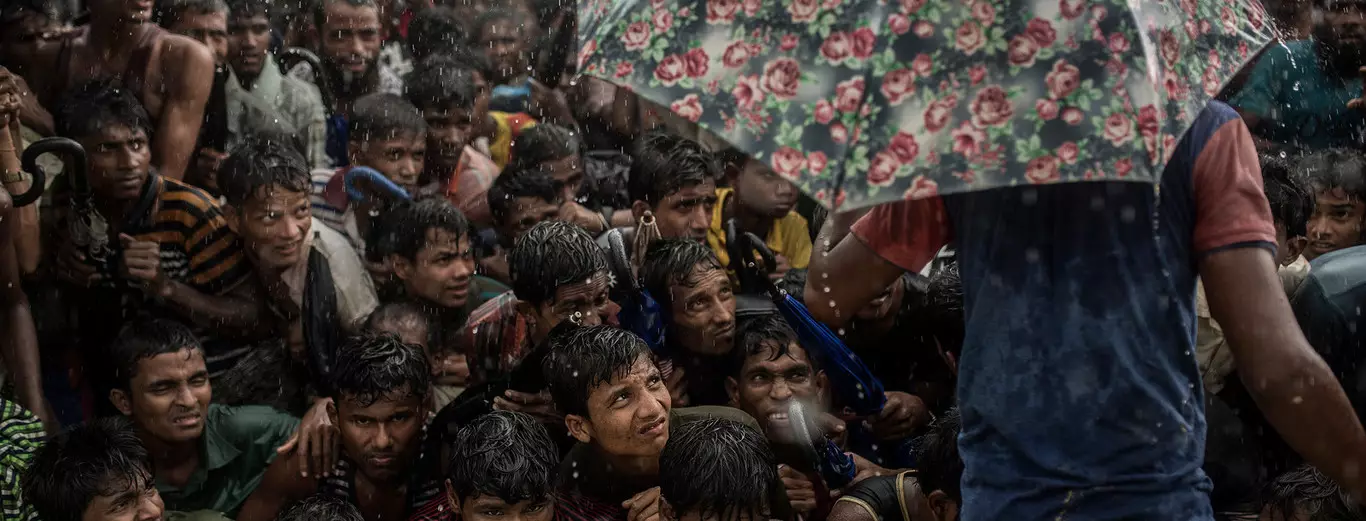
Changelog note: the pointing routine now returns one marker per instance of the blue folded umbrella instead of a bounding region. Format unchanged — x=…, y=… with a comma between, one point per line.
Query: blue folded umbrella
x=376, y=179
x=640, y=312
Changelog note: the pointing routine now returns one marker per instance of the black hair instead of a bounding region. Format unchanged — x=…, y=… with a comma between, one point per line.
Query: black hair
x=1306, y=492
x=170, y=12
x=1291, y=204
x=769, y=332
x=320, y=9
x=372, y=367
x=262, y=161
x=434, y=30
x=553, y=254
x=936, y=454
x=670, y=262
x=321, y=507
x=543, y=143
x=942, y=315
x=101, y=457
x=98, y=104
x=508, y=455
x=717, y=467
x=146, y=338
x=495, y=15
x=1336, y=168
x=471, y=59
x=382, y=115
x=665, y=163
x=412, y=221
x=238, y=9
x=527, y=182
x=440, y=81
x=11, y=11
x=582, y=358
x=401, y=311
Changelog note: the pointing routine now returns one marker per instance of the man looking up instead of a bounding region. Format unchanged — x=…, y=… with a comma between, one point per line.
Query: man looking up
x=690, y=285
x=95, y=471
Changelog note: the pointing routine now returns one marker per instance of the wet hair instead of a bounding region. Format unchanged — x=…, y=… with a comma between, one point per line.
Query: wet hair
x=262, y=161
x=582, y=358
x=101, y=457
x=95, y=105
x=1291, y=204
x=439, y=81
x=434, y=30
x=173, y=10
x=1307, y=491
x=717, y=467
x=507, y=455
x=769, y=332
x=671, y=262
x=12, y=11
x=492, y=16
x=239, y=9
x=553, y=254
x=1336, y=168
x=412, y=221
x=147, y=338
x=543, y=143
x=320, y=9
x=400, y=313
x=382, y=115
x=942, y=314
x=664, y=163
x=468, y=57
x=374, y=366
x=526, y=182
x=939, y=466
x=321, y=507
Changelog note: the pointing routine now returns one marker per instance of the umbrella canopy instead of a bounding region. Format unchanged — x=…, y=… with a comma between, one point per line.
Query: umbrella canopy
x=861, y=102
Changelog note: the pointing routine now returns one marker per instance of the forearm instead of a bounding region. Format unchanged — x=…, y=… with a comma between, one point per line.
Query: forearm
x=174, y=148
x=226, y=312
x=20, y=350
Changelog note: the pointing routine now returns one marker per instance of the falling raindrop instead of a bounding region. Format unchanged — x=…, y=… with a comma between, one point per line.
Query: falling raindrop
x=1032, y=255
x=1029, y=197
x=1127, y=214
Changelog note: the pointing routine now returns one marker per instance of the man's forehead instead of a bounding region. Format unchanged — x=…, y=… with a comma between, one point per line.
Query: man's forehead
x=595, y=284
x=277, y=195
x=642, y=368
x=394, y=401
x=765, y=356
x=706, y=188
x=702, y=277
x=167, y=364
x=441, y=238
x=204, y=20
x=340, y=14
x=117, y=133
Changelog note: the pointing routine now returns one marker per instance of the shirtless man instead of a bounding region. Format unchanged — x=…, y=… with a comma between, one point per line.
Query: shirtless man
x=171, y=75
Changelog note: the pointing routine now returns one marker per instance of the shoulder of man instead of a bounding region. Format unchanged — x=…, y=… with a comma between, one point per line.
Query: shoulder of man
x=247, y=426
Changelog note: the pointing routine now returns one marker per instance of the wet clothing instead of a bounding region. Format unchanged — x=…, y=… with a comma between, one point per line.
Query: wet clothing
x=235, y=450
x=1301, y=102
x=21, y=435
x=1079, y=301
x=296, y=105
x=883, y=497
x=789, y=236
x=1328, y=308
x=425, y=483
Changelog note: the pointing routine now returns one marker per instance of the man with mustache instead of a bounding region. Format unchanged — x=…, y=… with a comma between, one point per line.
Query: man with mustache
x=698, y=300
x=349, y=36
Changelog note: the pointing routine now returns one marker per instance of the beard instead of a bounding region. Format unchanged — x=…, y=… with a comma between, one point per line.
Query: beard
x=1339, y=57
x=348, y=84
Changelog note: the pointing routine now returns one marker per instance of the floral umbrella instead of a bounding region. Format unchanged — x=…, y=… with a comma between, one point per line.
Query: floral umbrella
x=861, y=102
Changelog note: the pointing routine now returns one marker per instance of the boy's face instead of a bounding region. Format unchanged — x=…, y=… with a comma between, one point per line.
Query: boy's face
x=484, y=507
x=628, y=417
x=760, y=190
x=449, y=129
x=588, y=300
x=119, y=160
x=505, y=45
x=248, y=41
x=442, y=270
x=1335, y=223
x=703, y=312
x=399, y=158
x=211, y=29
x=383, y=437
x=568, y=173
x=138, y=501
x=274, y=223
x=524, y=213
x=169, y=396
x=685, y=214
x=767, y=385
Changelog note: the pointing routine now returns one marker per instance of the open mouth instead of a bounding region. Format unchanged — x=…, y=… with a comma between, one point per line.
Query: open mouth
x=189, y=420
x=655, y=428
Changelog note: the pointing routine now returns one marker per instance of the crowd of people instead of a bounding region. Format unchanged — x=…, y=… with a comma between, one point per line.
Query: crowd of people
x=367, y=260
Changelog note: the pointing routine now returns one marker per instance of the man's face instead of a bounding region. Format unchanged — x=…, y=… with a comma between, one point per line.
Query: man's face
x=525, y=213
x=350, y=37
x=1344, y=26
x=484, y=507
x=686, y=214
x=628, y=417
x=586, y=300
x=209, y=28
x=568, y=173
x=274, y=223
x=130, y=12
x=248, y=41
x=762, y=191
x=400, y=158
x=138, y=501
x=383, y=437
x=467, y=11
x=505, y=45
x=169, y=396
x=441, y=272
x=1335, y=224
x=449, y=129
x=27, y=35
x=118, y=160
x=703, y=319
x=769, y=382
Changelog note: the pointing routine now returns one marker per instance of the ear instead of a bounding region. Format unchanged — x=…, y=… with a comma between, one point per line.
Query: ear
x=944, y=508
x=1295, y=246
x=638, y=209
x=579, y=428
x=353, y=151
x=822, y=382
x=121, y=401
x=233, y=217
x=452, y=500
x=733, y=391
x=403, y=267
x=332, y=411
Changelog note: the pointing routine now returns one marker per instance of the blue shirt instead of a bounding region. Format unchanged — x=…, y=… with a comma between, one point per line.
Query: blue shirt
x=1078, y=386
x=1299, y=102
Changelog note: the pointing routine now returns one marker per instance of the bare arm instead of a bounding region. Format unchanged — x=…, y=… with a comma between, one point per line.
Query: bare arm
x=19, y=341
x=861, y=273
x=1291, y=384
x=280, y=487
x=234, y=312
x=187, y=73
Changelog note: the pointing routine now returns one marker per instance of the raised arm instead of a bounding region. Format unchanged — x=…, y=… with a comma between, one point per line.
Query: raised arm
x=187, y=73
x=18, y=337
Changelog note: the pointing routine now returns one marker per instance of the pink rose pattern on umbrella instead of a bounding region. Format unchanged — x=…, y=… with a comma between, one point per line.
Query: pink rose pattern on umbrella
x=867, y=101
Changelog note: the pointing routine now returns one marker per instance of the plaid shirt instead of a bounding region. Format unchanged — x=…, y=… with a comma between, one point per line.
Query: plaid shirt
x=572, y=508
x=21, y=434
x=495, y=338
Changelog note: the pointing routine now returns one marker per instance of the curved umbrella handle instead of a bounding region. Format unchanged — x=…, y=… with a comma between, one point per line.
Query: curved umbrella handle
x=71, y=153
x=619, y=262
x=292, y=56
x=376, y=179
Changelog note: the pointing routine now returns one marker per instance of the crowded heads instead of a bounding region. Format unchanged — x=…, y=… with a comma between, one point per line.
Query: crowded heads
x=266, y=184
x=689, y=283
x=521, y=198
x=772, y=369
x=406, y=320
x=716, y=469
x=435, y=30
x=606, y=382
x=109, y=122
x=380, y=387
x=557, y=149
x=675, y=178
x=1306, y=494
x=388, y=134
x=1340, y=31
x=432, y=253
x=444, y=93
x=322, y=507
x=161, y=379
x=94, y=471
x=506, y=463
x=939, y=467
x=1291, y=205
x=559, y=273
x=1338, y=178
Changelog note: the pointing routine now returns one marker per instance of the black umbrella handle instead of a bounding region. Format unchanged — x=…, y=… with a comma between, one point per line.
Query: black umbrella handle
x=73, y=157
x=743, y=247
x=292, y=56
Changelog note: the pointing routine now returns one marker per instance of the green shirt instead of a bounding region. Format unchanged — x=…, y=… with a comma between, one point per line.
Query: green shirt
x=21, y=434
x=237, y=446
